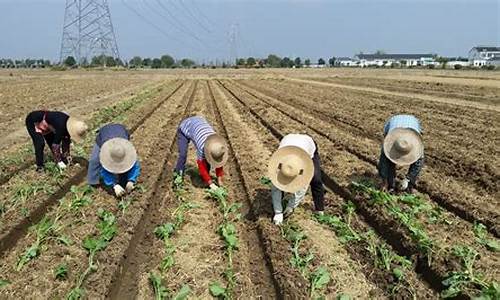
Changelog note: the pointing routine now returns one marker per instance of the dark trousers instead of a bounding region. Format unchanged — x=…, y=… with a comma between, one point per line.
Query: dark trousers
x=317, y=188
x=39, y=144
x=182, y=144
x=387, y=170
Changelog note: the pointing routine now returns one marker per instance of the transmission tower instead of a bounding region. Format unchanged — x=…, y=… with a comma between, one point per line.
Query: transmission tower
x=88, y=31
x=233, y=43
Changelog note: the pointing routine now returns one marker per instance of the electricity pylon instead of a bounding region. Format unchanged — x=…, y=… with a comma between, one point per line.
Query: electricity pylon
x=88, y=31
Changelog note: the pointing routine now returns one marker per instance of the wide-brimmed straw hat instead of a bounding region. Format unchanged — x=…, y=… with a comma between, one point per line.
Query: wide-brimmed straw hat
x=117, y=155
x=76, y=129
x=403, y=146
x=290, y=169
x=216, y=151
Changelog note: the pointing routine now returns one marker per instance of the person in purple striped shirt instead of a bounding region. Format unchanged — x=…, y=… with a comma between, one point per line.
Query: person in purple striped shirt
x=402, y=146
x=211, y=149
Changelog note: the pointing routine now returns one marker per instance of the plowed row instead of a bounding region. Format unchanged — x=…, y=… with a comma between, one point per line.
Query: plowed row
x=253, y=115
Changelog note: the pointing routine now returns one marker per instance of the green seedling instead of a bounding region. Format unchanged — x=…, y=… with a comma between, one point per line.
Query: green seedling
x=218, y=291
x=265, y=181
x=466, y=279
x=161, y=292
x=164, y=231
x=23, y=191
x=61, y=272
x=45, y=229
x=93, y=244
x=318, y=280
x=343, y=230
x=481, y=234
x=4, y=282
x=80, y=197
x=183, y=293
x=299, y=261
x=343, y=296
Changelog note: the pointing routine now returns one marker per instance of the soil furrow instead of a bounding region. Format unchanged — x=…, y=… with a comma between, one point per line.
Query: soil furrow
x=125, y=282
x=386, y=226
x=459, y=208
x=15, y=231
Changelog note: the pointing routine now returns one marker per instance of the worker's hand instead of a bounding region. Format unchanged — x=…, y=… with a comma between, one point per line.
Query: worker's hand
x=119, y=191
x=278, y=219
x=39, y=169
x=61, y=165
x=288, y=211
x=213, y=186
x=130, y=186
x=403, y=184
x=220, y=181
x=69, y=159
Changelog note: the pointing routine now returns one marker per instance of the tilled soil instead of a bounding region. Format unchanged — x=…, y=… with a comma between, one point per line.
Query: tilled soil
x=253, y=115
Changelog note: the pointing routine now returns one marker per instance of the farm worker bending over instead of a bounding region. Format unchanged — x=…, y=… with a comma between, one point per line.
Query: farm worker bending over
x=57, y=129
x=402, y=146
x=114, y=159
x=292, y=168
x=211, y=148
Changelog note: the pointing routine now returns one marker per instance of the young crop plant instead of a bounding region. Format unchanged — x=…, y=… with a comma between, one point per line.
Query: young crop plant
x=406, y=217
x=228, y=233
x=61, y=271
x=4, y=282
x=342, y=228
x=318, y=279
x=22, y=191
x=266, y=181
x=482, y=238
x=93, y=244
x=467, y=280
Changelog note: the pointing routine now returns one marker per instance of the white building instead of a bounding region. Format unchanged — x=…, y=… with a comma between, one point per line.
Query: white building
x=462, y=62
x=479, y=56
x=387, y=60
x=345, y=62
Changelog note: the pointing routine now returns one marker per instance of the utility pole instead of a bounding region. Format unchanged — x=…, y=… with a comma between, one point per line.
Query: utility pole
x=233, y=43
x=88, y=31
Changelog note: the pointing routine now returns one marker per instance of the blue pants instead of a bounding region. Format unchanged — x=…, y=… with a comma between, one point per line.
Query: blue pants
x=182, y=144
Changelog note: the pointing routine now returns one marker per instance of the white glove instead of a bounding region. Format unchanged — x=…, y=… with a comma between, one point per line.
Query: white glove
x=403, y=184
x=213, y=186
x=119, y=191
x=130, y=186
x=278, y=219
x=61, y=165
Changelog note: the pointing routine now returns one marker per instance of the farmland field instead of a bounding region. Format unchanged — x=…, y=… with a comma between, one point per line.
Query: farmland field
x=59, y=238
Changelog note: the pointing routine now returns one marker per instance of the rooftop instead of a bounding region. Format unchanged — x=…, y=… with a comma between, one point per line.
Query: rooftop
x=393, y=56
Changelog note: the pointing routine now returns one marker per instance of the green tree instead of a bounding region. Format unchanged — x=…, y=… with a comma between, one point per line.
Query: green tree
x=187, y=63
x=70, y=61
x=167, y=61
x=379, y=52
x=298, y=62
x=442, y=60
x=307, y=62
x=321, y=62
x=331, y=61
x=273, y=61
x=147, y=62
x=251, y=61
x=286, y=63
x=241, y=62
x=136, y=62
x=156, y=63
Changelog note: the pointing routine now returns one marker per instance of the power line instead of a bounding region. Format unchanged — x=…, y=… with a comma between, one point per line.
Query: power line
x=196, y=19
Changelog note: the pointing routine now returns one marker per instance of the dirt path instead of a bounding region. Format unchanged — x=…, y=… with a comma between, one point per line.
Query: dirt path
x=405, y=95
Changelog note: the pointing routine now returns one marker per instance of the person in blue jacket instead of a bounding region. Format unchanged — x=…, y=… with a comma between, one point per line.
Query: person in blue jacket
x=114, y=160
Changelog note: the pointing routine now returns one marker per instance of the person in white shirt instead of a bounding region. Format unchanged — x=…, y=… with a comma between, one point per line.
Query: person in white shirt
x=292, y=168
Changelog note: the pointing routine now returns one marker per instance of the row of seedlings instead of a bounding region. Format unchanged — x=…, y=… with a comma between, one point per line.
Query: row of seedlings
x=165, y=232
x=407, y=208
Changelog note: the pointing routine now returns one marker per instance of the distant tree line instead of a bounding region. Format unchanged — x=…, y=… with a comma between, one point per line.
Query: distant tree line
x=8, y=63
x=274, y=61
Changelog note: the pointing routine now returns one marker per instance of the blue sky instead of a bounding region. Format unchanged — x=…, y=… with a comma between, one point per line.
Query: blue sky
x=314, y=28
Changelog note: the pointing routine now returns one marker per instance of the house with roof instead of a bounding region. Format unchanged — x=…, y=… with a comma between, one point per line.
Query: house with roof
x=483, y=55
x=345, y=62
x=387, y=60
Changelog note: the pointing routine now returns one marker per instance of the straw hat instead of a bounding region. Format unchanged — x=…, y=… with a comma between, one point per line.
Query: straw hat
x=117, y=155
x=403, y=146
x=216, y=151
x=290, y=169
x=76, y=129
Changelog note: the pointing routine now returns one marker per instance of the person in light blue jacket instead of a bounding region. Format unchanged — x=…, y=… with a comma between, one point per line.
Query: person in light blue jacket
x=114, y=160
x=402, y=146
